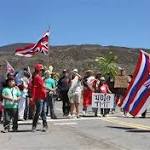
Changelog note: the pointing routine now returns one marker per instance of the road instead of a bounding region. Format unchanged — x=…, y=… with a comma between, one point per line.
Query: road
x=86, y=133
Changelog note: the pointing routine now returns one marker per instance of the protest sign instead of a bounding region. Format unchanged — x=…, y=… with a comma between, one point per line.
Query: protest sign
x=121, y=82
x=101, y=100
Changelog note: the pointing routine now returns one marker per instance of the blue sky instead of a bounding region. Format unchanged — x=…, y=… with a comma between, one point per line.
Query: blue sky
x=104, y=22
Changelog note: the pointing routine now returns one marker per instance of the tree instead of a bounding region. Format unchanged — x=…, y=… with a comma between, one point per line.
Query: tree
x=108, y=64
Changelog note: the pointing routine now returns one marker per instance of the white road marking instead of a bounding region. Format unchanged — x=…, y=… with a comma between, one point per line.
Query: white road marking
x=66, y=120
x=65, y=123
x=77, y=119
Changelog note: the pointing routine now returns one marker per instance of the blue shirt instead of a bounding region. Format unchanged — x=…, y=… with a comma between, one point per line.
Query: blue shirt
x=50, y=83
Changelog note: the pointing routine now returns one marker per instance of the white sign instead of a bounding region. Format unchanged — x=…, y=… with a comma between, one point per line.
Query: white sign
x=101, y=100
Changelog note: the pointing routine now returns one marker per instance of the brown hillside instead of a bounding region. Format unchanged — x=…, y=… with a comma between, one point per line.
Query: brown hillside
x=73, y=56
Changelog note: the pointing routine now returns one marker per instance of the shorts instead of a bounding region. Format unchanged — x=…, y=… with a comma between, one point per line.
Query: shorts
x=75, y=98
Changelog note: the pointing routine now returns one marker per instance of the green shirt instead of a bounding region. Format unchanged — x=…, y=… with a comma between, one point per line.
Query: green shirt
x=12, y=93
x=50, y=83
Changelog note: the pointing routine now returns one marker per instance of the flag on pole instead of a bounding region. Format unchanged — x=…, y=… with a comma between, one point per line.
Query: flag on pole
x=9, y=68
x=137, y=98
x=40, y=47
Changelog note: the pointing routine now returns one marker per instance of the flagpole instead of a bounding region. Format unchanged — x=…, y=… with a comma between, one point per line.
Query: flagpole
x=49, y=46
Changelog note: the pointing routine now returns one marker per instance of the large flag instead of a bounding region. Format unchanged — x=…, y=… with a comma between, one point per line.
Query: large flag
x=137, y=98
x=9, y=68
x=40, y=47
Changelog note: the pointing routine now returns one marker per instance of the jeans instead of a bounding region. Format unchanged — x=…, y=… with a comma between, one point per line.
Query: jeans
x=10, y=113
x=105, y=111
x=26, y=111
x=66, y=103
x=40, y=110
x=50, y=105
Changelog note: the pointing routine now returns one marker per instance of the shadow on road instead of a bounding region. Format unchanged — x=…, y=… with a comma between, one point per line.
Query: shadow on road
x=25, y=123
x=138, y=131
x=29, y=130
x=132, y=130
x=21, y=131
x=121, y=128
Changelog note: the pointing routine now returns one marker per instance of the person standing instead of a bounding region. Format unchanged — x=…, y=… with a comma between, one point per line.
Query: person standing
x=2, y=82
x=74, y=93
x=51, y=89
x=63, y=88
x=96, y=85
x=88, y=88
x=23, y=86
x=38, y=96
x=11, y=95
x=121, y=89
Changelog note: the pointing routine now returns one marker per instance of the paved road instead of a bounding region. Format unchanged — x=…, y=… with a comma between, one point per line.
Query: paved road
x=87, y=133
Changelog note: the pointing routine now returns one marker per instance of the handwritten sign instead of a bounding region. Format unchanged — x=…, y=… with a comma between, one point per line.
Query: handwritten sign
x=101, y=100
x=121, y=82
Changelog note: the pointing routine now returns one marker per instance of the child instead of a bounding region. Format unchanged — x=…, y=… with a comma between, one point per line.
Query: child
x=11, y=96
x=104, y=88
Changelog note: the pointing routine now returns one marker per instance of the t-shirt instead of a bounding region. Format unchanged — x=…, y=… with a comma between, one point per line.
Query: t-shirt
x=75, y=85
x=38, y=88
x=104, y=88
x=64, y=84
x=50, y=83
x=12, y=93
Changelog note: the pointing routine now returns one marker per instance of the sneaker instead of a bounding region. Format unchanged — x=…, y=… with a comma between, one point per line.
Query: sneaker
x=99, y=115
x=78, y=116
x=33, y=129
x=84, y=113
x=70, y=116
x=20, y=119
x=14, y=130
x=45, y=128
x=54, y=117
x=5, y=131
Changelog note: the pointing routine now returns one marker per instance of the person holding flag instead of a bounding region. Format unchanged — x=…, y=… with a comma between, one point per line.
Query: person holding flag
x=137, y=97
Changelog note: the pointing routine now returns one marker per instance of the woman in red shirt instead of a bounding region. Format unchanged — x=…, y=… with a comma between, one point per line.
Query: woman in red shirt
x=38, y=96
x=87, y=89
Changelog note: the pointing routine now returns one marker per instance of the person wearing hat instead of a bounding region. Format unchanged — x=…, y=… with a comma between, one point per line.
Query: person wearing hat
x=39, y=96
x=51, y=89
x=74, y=93
x=11, y=96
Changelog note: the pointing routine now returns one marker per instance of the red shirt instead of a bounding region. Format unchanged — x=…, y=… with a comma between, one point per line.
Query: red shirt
x=38, y=88
x=104, y=88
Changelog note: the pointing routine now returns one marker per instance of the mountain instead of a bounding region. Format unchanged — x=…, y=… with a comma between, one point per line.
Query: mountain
x=71, y=56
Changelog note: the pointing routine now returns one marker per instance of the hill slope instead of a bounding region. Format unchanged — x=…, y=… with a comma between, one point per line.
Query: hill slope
x=71, y=56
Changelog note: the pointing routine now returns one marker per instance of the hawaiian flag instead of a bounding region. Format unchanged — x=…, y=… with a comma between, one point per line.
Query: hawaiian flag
x=137, y=98
x=40, y=47
x=9, y=68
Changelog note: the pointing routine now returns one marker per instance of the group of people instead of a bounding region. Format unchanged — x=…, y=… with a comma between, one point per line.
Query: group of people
x=25, y=95
x=30, y=96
